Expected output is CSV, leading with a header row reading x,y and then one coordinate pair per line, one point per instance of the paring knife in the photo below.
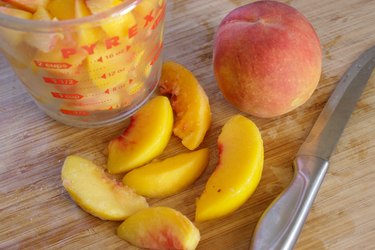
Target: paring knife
x,y
282,222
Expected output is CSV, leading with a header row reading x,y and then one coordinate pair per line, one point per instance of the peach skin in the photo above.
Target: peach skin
x,y
267,58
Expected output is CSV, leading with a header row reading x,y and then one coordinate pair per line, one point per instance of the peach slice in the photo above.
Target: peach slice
x,y
159,228
43,42
96,193
87,35
62,9
238,172
167,177
145,138
27,5
11,36
189,102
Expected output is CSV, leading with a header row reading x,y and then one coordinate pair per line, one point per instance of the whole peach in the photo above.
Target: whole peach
x,y
267,58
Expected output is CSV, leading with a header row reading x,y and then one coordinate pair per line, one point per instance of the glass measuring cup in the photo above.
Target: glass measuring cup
x,y
90,71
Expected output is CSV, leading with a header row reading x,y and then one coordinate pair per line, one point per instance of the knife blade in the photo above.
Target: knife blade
x,y
281,223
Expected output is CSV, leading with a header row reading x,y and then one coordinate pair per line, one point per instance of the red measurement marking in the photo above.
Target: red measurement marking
x,y
112,42
114,89
159,17
67,96
89,48
67,52
132,31
74,112
106,91
104,76
120,52
52,65
60,81
157,54
148,18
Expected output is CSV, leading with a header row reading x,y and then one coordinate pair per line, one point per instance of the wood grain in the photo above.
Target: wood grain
x,y
36,212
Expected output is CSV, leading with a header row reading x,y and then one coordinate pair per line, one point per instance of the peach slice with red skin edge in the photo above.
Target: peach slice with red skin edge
x,y
189,102
169,176
96,193
27,5
159,228
238,171
145,138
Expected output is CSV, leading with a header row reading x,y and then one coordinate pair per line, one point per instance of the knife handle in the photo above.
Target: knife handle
x,y
282,222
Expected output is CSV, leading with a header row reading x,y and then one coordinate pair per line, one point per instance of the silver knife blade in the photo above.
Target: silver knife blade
x,y
281,223
331,122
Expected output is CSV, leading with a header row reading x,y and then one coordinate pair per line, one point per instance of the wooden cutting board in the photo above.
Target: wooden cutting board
x,y
37,213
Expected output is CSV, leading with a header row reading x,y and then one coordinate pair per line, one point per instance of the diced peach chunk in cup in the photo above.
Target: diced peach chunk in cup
x,y
27,5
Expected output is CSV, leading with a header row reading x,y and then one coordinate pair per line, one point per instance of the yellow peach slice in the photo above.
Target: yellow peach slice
x,y
167,177
43,42
134,88
27,5
143,9
97,6
122,26
115,26
189,102
238,172
87,35
145,138
96,193
11,36
159,228
62,9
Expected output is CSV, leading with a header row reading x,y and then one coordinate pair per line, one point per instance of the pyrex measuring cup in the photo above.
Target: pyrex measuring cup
x,y
91,71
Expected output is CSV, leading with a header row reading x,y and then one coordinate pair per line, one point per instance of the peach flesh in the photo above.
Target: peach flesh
x,y
267,58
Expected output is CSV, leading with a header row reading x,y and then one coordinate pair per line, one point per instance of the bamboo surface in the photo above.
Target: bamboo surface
x,y
37,213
